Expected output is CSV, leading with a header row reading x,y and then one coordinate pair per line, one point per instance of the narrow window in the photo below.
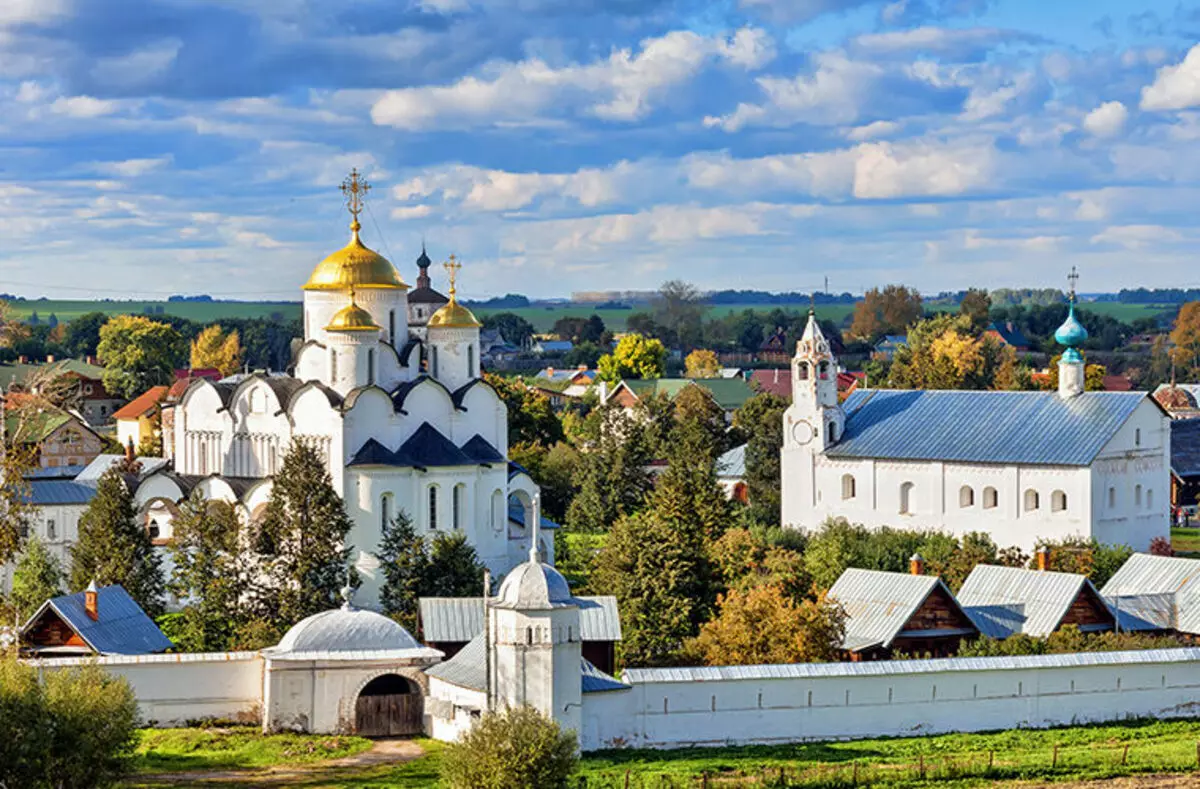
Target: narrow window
x,y
433,513
456,505
990,498
802,371
332,364
1112,498
385,510
1149,498
392,327
433,361
50,530
823,370
848,491
906,498
1137,495
966,496
371,366
498,512
1032,501
1137,437
470,361
1058,501
832,432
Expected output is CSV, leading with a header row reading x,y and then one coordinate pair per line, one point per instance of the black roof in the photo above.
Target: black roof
x,y
373,453
428,447
426,296
481,450
1185,447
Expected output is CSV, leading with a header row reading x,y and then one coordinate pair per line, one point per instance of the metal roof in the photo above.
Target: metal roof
x,y
1002,601
1185,447
1144,611
467,669
122,627
878,603
883,668
58,492
516,514
453,620
102,463
54,472
732,464
982,427
1144,574
596,681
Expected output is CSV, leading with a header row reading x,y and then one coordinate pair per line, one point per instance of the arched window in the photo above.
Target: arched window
x,y
1137,495
392,327
823,370
433,360
1112,498
498,512
906,498
254,401
848,491
433,506
1032,501
457,504
470,361
51,532
1058,501
332,364
802,371
1149,498
385,510
370,365
1137,437
991,499
966,496
832,432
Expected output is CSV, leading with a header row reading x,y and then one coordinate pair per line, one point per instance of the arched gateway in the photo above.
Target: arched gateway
x,y
389,706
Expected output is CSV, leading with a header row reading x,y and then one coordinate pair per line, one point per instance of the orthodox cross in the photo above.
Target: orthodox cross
x,y
355,188
1073,277
452,268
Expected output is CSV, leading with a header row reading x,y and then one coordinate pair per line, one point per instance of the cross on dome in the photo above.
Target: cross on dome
x,y
1073,278
355,188
452,268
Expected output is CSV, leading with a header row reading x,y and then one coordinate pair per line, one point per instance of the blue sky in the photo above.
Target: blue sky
x,y
150,147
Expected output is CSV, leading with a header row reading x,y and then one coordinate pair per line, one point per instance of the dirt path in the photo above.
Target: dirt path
x,y
1131,782
382,752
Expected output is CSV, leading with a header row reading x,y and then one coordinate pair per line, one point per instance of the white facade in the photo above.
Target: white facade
x,y
1120,496
57,526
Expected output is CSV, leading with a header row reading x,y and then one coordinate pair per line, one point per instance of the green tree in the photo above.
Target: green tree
x,y
82,334
113,548
514,749
943,353
138,353
303,539
404,561
612,478
694,409
210,573
760,422
16,509
744,559
976,305
454,567
530,416
687,492
635,356
764,625
679,309
512,327
38,577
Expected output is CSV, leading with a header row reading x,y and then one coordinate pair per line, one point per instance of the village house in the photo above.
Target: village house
x,y
56,437
97,621
138,420
729,394
1004,601
93,402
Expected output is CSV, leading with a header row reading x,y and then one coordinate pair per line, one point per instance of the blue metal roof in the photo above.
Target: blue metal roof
x,y
732,464
1029,428
50,492
596,681
1185,447
55,472
516,514
122,628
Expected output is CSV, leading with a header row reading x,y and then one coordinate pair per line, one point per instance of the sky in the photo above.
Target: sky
x,y
154,147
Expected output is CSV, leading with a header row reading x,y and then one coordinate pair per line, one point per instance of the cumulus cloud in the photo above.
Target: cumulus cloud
x,y
953,43
83,106
138,67
1107,120
1175,87
31,12
872,131
622,88
132,168
1136,236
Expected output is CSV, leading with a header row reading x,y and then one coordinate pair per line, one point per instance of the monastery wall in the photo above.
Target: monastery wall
x,y
174,689
669,708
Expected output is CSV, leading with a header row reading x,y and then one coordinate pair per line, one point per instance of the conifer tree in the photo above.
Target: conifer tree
x,y
303,538
760,419
612,476
37,577
113,548
454,568
404,562
210,573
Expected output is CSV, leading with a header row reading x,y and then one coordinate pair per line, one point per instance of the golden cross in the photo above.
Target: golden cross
x,y
452,268
355,188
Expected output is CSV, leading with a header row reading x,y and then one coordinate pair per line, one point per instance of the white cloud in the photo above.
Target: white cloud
x,y
948,42
624,87
83,106
1107,120
26,12
1136,236
132,168
872,131
137,67
404,213
988,101
662,224
1175,87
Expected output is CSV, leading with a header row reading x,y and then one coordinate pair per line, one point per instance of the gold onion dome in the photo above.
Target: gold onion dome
x,y
355,266
453,315
352,318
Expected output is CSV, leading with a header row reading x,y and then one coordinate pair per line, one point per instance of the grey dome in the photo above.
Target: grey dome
x,y
346,630
534,586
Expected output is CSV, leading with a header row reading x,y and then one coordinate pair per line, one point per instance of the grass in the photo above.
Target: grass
x,y
1185,540
199,311
235,748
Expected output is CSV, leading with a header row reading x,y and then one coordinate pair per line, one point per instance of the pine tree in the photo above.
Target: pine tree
x,y
612,477
760,419
113,548
454,568
404,561
37,577
303,538
210,573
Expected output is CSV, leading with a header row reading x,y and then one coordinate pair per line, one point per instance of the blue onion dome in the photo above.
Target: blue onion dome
x,y
1071,333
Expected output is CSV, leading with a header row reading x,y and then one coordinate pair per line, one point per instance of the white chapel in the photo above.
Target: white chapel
x,y
391,390
1017,465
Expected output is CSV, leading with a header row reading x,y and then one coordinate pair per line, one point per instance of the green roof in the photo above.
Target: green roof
x,y
729,393
17,373
35,428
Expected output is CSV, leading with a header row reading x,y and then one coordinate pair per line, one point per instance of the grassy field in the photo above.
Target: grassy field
x,y
199,311
235,747
1185,540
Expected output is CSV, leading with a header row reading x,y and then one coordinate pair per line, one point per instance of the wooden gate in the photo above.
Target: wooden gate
x,y
389,706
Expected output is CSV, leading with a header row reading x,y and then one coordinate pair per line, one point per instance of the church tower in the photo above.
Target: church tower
x,y
1071,367
452,339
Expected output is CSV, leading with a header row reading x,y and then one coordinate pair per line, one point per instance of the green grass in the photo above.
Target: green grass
x,y
235,747
1185,540
543,318
1125,312
199,311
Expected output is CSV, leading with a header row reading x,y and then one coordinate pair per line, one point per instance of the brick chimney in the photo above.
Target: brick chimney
x,y
90,604
130,452
916,564
1043,558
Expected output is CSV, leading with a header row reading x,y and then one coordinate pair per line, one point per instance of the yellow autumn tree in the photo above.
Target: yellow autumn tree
x,y
764,625
1186,337
214,349
959,352
702,363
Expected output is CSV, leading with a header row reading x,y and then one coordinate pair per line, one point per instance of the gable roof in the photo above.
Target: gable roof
x,y
31,428
1030,428
1009,333
122,628
57,492
728,393
481,450
467,669
426,448
777,382
1003,601
143,404
1138,590
878,604
732,464
1185,447
451,620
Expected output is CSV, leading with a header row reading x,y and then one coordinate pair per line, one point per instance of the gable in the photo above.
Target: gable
x,y
938,612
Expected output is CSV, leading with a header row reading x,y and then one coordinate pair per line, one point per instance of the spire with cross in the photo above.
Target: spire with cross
x,y
452,269
535,528
1073,278
355,188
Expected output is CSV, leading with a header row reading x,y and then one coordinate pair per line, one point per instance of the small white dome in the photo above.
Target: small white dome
x,y
533,586
346,630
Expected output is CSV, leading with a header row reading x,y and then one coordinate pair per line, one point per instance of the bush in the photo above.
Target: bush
x,y
514,749
75,731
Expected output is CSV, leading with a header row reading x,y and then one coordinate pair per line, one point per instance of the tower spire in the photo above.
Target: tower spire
x,y
1071,368
452,269
535,528
355,189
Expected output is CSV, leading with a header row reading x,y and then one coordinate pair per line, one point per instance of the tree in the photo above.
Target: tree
x,y
586,354
513,749
454,568
745,560
766,626
1186,337
113,548
580,330
302,538
214,349
83,334
138,353
612,478
530,416
512,327
209,573
760,421
942,353
679,309
976,305
16,508
702,363
635,356
38,577
404,561
695,409
887,311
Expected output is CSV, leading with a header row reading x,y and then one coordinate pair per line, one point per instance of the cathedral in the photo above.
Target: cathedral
x,y
387,382
1017,465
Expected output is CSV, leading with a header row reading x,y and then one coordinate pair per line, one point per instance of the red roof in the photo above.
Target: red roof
x,y
211,373
1117,383
777,382
142,404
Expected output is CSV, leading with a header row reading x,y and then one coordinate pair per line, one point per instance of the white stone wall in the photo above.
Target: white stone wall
x,y
453,355
320,696
893,699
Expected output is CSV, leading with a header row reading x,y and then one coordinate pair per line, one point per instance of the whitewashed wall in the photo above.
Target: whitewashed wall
x,y
720,706
174,689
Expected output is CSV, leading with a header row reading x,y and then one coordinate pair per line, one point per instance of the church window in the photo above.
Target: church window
x,y
456,504
332,364
823,371
529,636
253,401
1137,437
991,499
1112,497
470,361
848,491
1137,495
1058,501
1149,499
498,510
832,432
50,531
802,371
1032,500
433,506
392,327
906,498
966,496
433,361
385,510
370,365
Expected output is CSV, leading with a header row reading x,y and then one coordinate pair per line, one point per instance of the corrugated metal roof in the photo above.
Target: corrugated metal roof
x,y
1002,601
596,681
103,463
57,492
1185,447
982,427
466,669
1144,574
732,464
451,620
54,472
1144,611
878,603
883,668
516,514
122,628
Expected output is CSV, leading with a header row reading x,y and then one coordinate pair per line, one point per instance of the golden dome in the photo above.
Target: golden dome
x,y
352,318
453,315
354,266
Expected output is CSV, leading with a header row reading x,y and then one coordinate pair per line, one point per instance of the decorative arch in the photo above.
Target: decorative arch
x,y
991,499
1032,500
1058,501
906,498
966,496
849,487
499,511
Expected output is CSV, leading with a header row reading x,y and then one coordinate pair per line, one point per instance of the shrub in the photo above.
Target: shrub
x,y
514,749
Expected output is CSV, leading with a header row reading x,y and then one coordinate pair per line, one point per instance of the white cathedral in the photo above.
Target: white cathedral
x,y
388,383
1017,465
